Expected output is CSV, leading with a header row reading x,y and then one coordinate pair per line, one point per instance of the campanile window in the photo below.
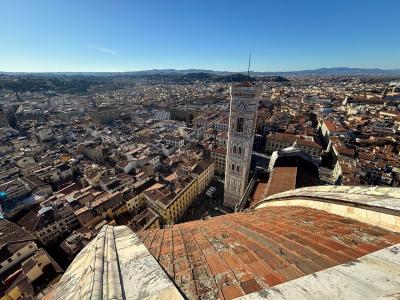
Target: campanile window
x,y
239,124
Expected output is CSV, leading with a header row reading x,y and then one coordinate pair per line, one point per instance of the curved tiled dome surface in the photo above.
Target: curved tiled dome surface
x,y
237,254
379,206
311,243
383,197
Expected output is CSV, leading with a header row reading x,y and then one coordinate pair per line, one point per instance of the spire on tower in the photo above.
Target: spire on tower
x,y
248,67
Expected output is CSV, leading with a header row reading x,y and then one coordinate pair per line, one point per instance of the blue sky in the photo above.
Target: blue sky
x,y
116,35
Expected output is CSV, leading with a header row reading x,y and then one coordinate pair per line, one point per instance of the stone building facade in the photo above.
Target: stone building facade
x,y
242,122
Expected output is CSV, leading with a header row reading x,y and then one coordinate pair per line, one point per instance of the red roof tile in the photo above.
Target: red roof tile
x,y
251,286
232,291
216,264
236,254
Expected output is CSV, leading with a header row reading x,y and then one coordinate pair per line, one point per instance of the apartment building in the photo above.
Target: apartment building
x,y
147,219
171,198
49,223
221,139
137,200
278,141
176,141
331,128
218,155
56,173
94,151
204,172
106,205
33,276
77,240
105,114
16,244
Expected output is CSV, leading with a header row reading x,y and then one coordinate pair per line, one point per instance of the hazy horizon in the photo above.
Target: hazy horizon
x,y
198,69
126,36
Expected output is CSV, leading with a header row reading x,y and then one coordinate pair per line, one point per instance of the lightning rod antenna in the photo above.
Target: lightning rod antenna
x,y
248,67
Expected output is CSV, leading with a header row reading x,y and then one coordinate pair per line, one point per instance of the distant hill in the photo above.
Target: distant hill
x,y
346,71
79,83
321,71
237,77
209,77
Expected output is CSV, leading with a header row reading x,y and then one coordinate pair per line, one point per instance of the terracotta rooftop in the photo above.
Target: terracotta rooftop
x,y
282,179
243,84
290,172
259,190
291,138
237,254
333,127
343,150
219,150
12,239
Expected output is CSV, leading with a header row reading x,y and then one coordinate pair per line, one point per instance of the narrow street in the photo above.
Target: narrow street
x,y
205,206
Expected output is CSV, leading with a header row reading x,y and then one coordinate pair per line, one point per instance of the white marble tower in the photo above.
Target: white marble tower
x,y
242,123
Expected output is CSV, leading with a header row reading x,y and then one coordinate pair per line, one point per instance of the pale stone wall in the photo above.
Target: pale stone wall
x,y
242,122
114,265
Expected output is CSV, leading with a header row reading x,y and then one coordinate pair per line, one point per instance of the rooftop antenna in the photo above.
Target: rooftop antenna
x,y
248,67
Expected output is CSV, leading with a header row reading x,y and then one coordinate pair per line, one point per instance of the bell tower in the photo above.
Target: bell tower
x,y
242,122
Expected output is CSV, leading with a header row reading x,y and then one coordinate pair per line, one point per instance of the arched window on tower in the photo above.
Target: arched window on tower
x,y
234,149
239,124
238,168
240,150
233,167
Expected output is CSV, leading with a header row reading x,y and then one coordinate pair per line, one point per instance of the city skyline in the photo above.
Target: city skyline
x,y
199,149
49,36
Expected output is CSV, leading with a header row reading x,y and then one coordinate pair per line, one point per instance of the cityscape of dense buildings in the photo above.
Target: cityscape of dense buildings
x,y
161,154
